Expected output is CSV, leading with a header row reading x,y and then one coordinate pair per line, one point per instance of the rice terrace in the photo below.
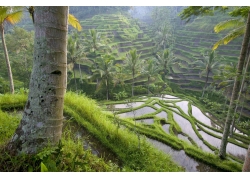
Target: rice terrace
x,y
124,89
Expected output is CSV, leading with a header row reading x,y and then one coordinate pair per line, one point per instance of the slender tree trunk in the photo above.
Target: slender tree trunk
x,y
225,104
205,84
7,60
133,74
222,151
238,99
165,71
148,84
42,119
246,165
240,113
80,71
75,77
107,88
96,67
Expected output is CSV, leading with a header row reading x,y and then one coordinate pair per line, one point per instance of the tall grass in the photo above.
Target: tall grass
x,y
12,101
123,143
8,125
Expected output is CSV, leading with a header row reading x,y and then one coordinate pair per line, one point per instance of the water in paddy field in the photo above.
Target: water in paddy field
x,y
137,113
187,128
122,106
165,127
196,112
190,164
183,105
157,106
162,114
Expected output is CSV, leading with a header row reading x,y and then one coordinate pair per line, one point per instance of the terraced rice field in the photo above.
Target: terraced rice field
x,y
180,119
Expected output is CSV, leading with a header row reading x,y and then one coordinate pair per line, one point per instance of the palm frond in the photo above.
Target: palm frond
x,y
3,13
229,24
14,17
74,22
230,36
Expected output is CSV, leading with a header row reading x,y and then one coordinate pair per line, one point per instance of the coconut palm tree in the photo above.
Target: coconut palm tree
x,y
243,11
94,43
10,15
225,80
236,88
133,63
163,37
208,65
75,51
106,71
246,165
237,26
150,70
120,75
243,84
42,119
165,60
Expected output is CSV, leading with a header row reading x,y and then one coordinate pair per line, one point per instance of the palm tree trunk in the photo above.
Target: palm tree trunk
x,y
205,84
238,99
233,129
133,74
107,88
222,151
246,165
7,60
42,119
75,77
165,71
225,104
148,84
80,71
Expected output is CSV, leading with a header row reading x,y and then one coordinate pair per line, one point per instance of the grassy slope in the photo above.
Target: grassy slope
x,y
86,112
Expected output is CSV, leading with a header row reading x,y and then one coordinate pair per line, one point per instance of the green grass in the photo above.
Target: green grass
x,y
8,124
145,158
68,156
124,143
9,101
85,111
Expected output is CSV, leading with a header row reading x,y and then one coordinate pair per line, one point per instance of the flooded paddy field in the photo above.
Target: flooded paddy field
x,y
190,133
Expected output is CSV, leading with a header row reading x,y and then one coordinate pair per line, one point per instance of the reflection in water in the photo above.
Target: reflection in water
x,y
157,106
129,105
163,98
196,112
187,129
162,114
185,138
212,131
231,148
165,127
138,112
182,159
183,105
